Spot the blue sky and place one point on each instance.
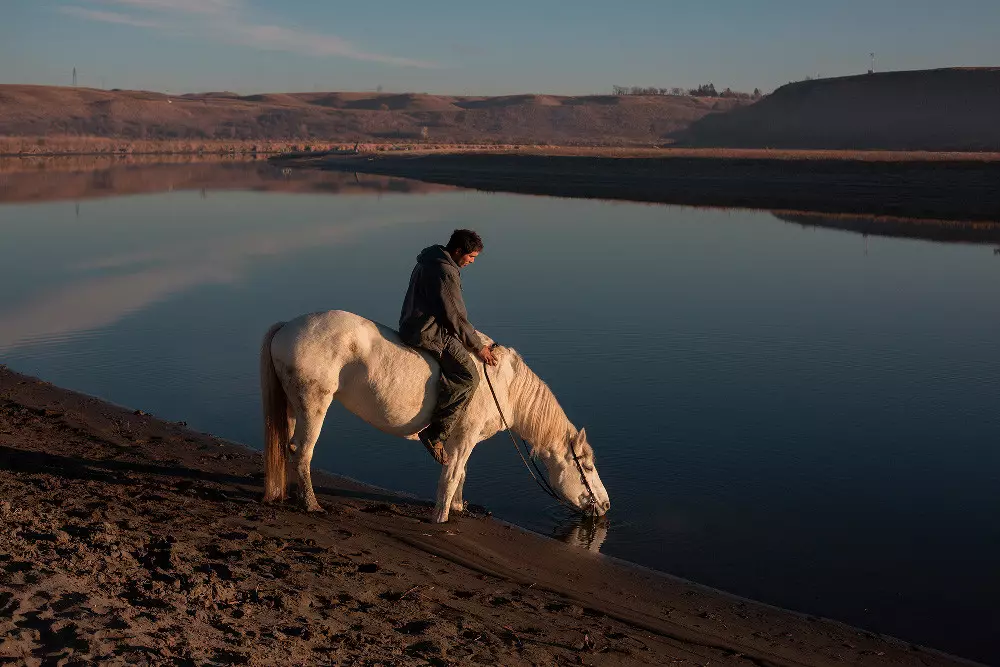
(478, 48)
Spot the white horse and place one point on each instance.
(308, 362)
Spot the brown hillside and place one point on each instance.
(333, 116)
(945, 109)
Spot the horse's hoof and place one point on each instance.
(310, 505)
(460, 507)
(438, 517)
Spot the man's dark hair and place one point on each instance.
(465, 240)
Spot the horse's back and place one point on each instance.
(332, 334)
(359, 362)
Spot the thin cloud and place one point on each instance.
(222, 19)
(184, 6)
(278, 38)
(109, 17)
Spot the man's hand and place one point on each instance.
(486, 355)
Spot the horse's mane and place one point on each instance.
(537, 415)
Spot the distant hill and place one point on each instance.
(366, 117)
(937, 110)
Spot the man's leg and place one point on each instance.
(459, 378)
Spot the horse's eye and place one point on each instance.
(588, 468)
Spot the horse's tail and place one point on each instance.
(276, 427)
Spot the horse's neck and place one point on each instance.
(536, 414)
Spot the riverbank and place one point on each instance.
(129, 539)
(47, 146)
(945, 187)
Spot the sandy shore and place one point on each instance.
(126, 539)
(923, 186)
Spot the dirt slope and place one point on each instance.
(333, 116)
(944, 109)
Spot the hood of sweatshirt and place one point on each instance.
(436, 254)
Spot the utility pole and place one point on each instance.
(872, 70)
(74, 77)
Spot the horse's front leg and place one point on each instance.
(450, 483)
(457, 503)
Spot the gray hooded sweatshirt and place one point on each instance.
(433, 307)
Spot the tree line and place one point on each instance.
(704, 90)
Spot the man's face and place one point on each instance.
(464, 260)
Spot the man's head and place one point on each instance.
(464, 246)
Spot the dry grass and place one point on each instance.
(75, 145)
(71, 145)
(91, 162)
(331, 118)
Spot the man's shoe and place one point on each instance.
(435, 447)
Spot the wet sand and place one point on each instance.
(126, 539)
(925, 186)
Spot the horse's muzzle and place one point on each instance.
(590, 505)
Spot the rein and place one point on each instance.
(540, 478)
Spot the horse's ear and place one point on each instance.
(581, 436)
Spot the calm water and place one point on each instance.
(802, 416)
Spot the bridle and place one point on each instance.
(540, 478)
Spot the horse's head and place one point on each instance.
(567, 474)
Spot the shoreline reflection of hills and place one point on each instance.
(53, 179)
(946, 231)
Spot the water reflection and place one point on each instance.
(585, 532)
(103, 289)
(795, 420)
(85, 177)
(76, 178)
(928, 230)
(127, 270)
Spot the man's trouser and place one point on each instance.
(459, 379)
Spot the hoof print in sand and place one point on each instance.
(414, 627)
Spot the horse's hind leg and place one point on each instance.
(308, 423)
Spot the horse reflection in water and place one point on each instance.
(309, 362)
(587, 532)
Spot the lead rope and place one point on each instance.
(540, 478)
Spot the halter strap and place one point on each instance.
(540, 479)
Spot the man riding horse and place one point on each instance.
(434, 318)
